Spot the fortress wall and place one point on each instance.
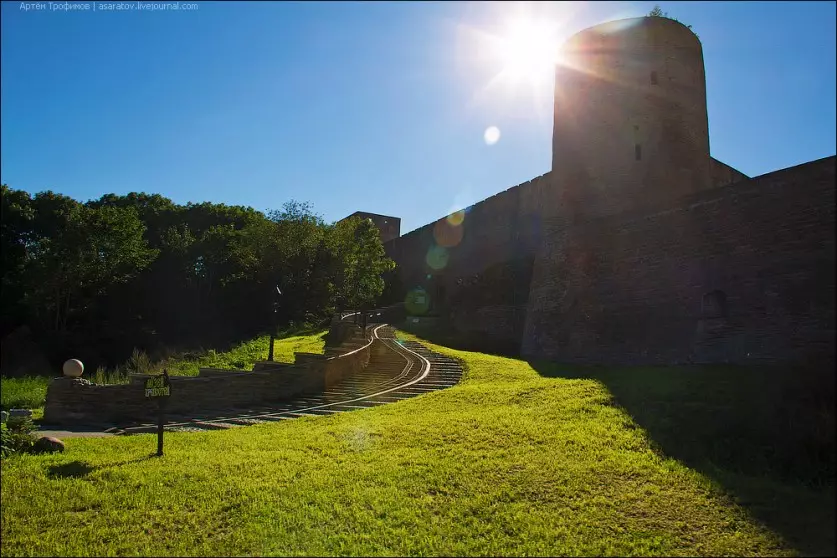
(498, 229)
(632, 288)
(722, 174)
(482, 266)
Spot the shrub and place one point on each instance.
(17, 436)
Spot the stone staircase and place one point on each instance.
(393, 374)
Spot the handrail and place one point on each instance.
(371, 339)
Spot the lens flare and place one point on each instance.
(417, 301)
(437, 257)
(456, 218)
(491, 135)
(446, 234)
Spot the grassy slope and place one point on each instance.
(507, 463)
(30, 392)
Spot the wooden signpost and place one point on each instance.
(158, 387)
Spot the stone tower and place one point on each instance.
(630, 134)
(630, 121)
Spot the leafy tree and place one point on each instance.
(357, 246)
(76, 253)
(139, 270)
(16, 214)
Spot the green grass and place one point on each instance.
(23, 393)
(246, 354)
(30, 392)
(509, 462)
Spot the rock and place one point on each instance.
(47, 444)
(20, 413)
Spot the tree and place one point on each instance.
(656, 11)
(76, 252)
(16, 216)
(356, 245)
(136, 270)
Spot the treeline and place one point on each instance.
(97, 279)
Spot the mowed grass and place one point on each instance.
(508, 462)
(29, 392)
(246, 354)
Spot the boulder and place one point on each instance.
(47, 444)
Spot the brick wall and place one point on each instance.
(636, 288)
(722, 174)
(458, 264)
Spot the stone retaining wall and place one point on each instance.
(77, 401)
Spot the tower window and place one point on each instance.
(638, 152)
(653, 78)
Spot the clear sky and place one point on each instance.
(375, 106)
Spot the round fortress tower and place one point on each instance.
(630, 122)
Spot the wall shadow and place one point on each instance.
(766, 435)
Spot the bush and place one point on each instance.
(17, 436)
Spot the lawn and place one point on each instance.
(515, 460)
(29, 392)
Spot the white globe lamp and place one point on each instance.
(73, 368)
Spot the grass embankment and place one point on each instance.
(30, 392)
(509, 462)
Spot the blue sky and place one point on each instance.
(374, 106)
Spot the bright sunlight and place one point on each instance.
(528, 51)
(516, 46)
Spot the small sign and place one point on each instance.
(158, 386)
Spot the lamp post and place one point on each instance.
(275, 323)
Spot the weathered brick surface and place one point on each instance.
(630, 120)
(630, 288)
(497, 237)
(722, 174)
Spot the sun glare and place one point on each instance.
(528, 50)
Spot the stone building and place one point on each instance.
(389, 227)
(637, 246)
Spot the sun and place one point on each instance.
(528, 50)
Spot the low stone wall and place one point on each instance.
(77, 401)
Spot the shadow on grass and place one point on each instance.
(766, 435)
(80, 469)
